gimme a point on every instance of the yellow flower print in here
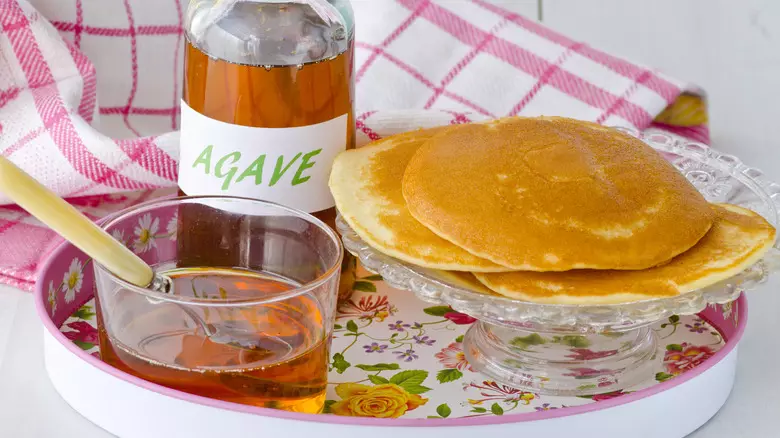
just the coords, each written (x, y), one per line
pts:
(52, 298)
(380, 401)
(145, 233)
(173, 224)
(72, 280)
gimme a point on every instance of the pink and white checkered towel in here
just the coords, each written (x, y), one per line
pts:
(90, 91)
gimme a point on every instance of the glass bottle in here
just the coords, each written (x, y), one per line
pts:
(267, 105)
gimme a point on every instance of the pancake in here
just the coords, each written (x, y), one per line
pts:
(366, 184)
(737, 240)
(554, 194)
(463, 280)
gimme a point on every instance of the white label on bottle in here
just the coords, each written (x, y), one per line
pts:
(289, 166)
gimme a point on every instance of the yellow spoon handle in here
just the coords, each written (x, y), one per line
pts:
(72, 225)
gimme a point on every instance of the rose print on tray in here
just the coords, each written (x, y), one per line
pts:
(83, 334)
(81, 329)
(381, 401)
(449, 314)
(386, 398)
(684, 357)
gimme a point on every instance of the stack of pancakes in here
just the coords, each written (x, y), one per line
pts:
(548, 210)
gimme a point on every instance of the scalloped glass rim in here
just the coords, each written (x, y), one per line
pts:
(720, 177)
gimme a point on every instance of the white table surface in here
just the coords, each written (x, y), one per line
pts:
(728, 47)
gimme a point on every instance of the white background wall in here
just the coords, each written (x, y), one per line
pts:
(729, 47)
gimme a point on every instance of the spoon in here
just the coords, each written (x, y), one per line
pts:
(77, 229)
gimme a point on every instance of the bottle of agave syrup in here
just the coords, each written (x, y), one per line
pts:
(267, 105)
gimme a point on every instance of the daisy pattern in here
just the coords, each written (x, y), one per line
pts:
(119, 235)
(52, 298)
(727, 309)
(172, 225)
(145, 233)
(72, 280)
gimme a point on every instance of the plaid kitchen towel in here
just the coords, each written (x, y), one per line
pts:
(90, 91)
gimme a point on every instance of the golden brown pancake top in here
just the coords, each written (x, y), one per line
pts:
(366, 184)
(554, 194)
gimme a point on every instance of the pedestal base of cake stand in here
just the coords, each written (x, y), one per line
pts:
(562, 363)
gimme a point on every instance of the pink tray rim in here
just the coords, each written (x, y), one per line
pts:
(40, 299)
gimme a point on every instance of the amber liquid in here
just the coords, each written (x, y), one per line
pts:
(264, 96)
(274, 355)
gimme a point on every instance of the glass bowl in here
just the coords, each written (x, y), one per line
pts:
(587, 349)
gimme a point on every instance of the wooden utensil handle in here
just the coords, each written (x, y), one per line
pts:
(72, 225)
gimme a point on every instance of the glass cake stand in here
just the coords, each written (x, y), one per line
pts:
(587, 349)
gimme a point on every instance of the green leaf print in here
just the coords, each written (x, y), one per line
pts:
(674, 319)
(438, 310)
(415, 389)
(84, 312)
(496, 409)
(339, 363)
(326, 408)
(337, 327)
(364, 286)
(479, 410)
(372, 278)
(663, 377)
(409, 377)
(448, 375)
(84, 345)
(575, 341)
(377, 380)
(443, 410)
(674, 347)
(527, 341)
(459, 338)
(351, 326)
(379, 367)
(411, 381)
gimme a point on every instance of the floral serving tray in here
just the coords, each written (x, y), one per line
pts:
(390, 338)
(384, 337)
